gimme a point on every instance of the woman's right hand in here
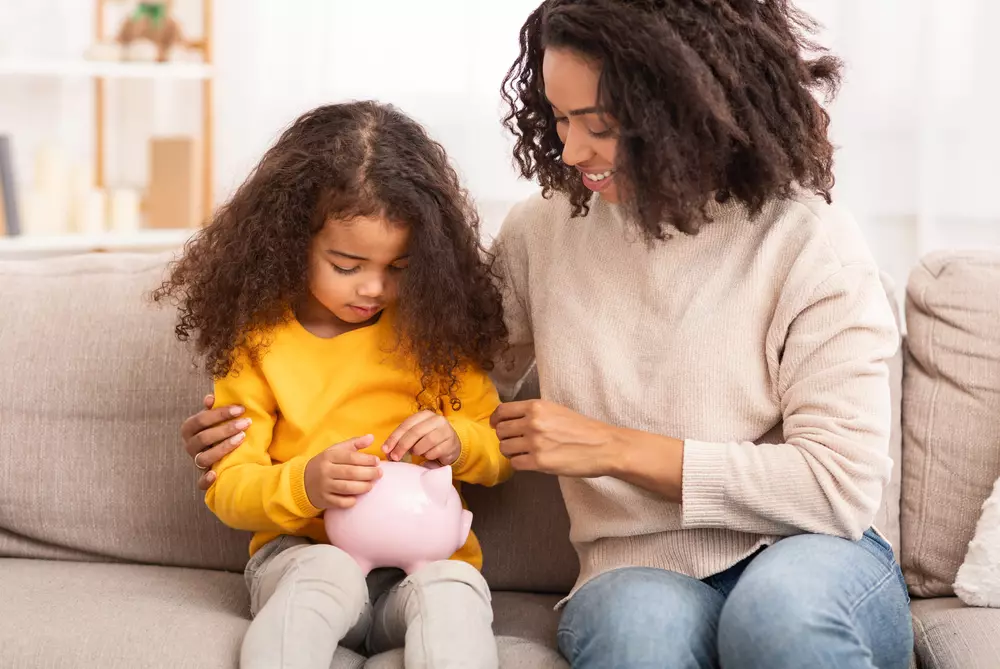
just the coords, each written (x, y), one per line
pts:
(335, 477)
(210, 434)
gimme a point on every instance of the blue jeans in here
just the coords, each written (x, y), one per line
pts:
(808, 601)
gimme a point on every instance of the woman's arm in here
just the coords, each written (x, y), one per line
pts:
(826, 477)
(511, 264)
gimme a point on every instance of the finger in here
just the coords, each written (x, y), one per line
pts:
(435, 437)
(404, 427)
(342, 487)
(210, 456)
(215, 435)
(208, 418)
(509, 411)
(209, 401)
(206, 480)
(340, 501)
(357, 443)
(411, 437)
(355, 473)
(510, 429)
(524, 463)
(511, 448)
(440, 453)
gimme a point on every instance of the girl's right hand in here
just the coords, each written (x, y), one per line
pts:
(335, 477)
(210, 434)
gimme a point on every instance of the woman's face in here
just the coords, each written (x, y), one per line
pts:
(589, 136)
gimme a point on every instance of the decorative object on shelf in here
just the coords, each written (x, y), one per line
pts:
(90, 212)
(9, 211)
(149, 24)
(124, 210)
(174, 196)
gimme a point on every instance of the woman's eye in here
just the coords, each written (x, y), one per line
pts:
(601, 134)
(397, 268)
(344, 270)
(561, 120)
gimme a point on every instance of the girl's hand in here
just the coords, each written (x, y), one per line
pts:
(549, 438)
(211, 434)
(427, 435)
(335, 477)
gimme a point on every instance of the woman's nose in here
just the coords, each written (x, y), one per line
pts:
(576, 149)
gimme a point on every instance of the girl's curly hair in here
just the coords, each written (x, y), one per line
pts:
(709, 96)
(241, 274)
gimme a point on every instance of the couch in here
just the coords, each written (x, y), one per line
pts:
(109, 558)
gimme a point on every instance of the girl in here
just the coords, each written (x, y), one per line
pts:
(343, 292)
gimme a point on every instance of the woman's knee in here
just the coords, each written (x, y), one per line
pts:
(816, 601)
(641, 617)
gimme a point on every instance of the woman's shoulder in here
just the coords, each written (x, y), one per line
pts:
(819, 232)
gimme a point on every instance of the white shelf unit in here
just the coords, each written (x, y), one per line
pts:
(146, 241)
(104, 70)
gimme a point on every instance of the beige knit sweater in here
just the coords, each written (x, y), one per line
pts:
(761, 343)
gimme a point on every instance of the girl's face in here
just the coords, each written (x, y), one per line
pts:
(355, 266)
(589, 136)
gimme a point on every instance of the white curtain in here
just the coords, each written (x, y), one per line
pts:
(917, 121)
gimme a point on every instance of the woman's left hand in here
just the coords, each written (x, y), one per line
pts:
(541, 436)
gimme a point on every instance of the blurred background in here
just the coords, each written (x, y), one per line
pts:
(105, 148)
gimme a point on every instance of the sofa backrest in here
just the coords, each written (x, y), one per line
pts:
(93, 389)
(951, 412)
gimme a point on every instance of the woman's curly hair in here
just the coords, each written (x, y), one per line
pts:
(243, 273)
(710, 97)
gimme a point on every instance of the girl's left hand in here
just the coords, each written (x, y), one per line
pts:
(549, 438)
(427, 435)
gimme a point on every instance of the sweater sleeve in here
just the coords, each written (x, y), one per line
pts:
(833, 387)
(480, 462)
(251, 492)
(517, 362)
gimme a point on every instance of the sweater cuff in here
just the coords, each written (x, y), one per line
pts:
(703, 486)
(461, 428)
(297, 481)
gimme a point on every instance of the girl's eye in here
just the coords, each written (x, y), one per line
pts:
(561, 120)
(344, 270)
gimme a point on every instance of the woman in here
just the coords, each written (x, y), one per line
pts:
(711, 337)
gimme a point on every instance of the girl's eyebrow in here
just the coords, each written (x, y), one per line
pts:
(351, 256)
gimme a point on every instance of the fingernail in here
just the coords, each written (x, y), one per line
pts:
(210, 477)
(243, 423)
(386, 448)
(235, 411)
(237, 439)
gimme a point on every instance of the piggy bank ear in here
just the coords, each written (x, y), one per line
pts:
(437, 484)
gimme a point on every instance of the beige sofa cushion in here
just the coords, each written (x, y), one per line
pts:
(94, 389)
(92, 395)
(950, 635)
(951, 412)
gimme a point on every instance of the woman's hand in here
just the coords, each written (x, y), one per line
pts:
(211, 434)
(541, 436)
(427, 435)
(545, 437)
(335, 477)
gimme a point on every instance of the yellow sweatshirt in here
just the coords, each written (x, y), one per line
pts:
(309, 393)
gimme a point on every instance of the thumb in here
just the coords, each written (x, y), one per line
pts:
(357, 443)
(209, 401)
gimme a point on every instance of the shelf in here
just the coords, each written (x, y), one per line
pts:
(13, 248)
(103, 69)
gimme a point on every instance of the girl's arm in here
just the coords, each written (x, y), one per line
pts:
(480, 461)
(250, 491)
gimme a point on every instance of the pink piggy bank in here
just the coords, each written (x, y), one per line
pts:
(412, 516)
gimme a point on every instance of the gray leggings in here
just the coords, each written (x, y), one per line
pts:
(307, 599)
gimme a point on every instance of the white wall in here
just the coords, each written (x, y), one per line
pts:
(915, 122)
